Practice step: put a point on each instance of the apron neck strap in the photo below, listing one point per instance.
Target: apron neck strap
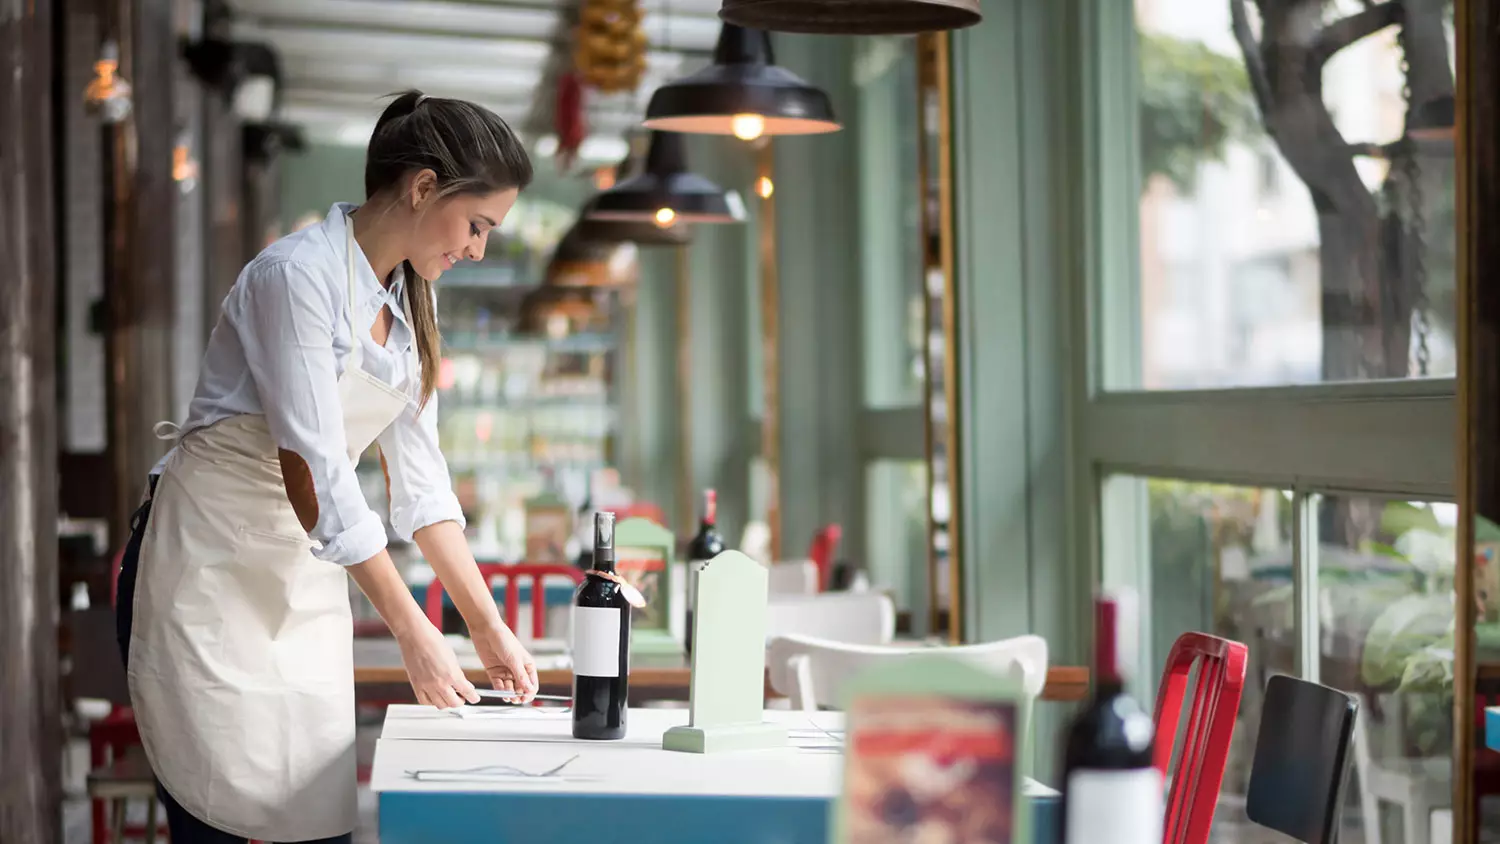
(356, 348)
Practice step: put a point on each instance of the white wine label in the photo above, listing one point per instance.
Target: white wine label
(596, 641)
(1120, 807)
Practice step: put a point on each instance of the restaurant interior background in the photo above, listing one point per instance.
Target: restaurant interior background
(1093, 293)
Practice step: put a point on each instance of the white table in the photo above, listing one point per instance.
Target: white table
(432, 786)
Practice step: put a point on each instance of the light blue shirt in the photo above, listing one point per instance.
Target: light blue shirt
(278, 349)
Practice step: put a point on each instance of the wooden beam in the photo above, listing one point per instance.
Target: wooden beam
(30, 728)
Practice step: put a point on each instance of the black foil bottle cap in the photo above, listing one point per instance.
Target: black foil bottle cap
(604, 538)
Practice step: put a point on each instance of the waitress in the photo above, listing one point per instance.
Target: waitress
(234, 610)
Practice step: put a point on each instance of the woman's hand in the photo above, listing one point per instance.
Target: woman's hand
(509, 665)
(433, 668)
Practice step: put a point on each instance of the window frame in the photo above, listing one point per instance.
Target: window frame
(1380, 439)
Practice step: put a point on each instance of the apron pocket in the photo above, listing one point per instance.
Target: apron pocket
(282, 608)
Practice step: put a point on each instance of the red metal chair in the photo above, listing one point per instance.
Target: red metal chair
(825, 542)
(1194, 793)
(513, 575)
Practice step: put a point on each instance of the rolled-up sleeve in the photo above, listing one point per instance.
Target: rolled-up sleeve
(286, 326)
(421, 489)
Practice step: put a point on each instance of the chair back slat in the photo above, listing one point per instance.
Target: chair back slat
(1301, 763)
(513, 574)
(1194, 791)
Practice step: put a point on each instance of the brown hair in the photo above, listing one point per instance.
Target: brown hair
(471, 150)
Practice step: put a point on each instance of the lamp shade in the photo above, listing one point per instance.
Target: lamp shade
(742, 93)
(580, 262)
(666, 193)
(852, 17)
(559, 311)
(1432, 119)
(641, 232)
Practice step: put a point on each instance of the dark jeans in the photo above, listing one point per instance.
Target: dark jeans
(182, 827)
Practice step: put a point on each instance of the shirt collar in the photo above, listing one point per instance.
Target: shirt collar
(365, 283)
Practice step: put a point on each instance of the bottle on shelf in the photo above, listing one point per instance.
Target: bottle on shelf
(1111, 789)
(601, 642)
(704, 547)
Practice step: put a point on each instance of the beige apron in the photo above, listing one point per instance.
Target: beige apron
(241, 655)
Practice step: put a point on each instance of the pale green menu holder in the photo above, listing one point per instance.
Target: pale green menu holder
(896, 701)
(726, 695)
(644, 551)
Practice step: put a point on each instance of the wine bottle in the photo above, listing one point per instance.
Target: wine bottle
(601, 642)
(1111, 790)
(704, 547)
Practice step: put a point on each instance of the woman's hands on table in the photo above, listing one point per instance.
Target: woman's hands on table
(507, 662)
(429, 660)
(509, 666)
(436, 677)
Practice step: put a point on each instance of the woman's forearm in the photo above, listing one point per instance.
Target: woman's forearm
(382, 584)
(447, 550)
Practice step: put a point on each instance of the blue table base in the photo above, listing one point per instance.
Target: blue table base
(431, 818)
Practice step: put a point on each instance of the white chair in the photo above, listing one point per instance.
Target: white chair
(792, 577)
(1421, 787)
(812, 672)
(855, 618)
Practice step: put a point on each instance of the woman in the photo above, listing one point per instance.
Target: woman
(235, 621)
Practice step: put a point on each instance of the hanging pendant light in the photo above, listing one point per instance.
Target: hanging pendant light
(559, 311)
(1432, 120)
(108, 93)
(667, 193)
(743, 93)
(852, 17)
(643, 232)
(580, 262)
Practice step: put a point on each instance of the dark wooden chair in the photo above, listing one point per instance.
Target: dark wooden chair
(1302, 756)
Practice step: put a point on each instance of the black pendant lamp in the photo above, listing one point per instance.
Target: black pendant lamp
(666, 192)
(580, 262)
(559, 311)
(852, 17)
(640, 232)
(1432, 120)
(743, 93)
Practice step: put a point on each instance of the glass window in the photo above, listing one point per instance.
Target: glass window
(891, 242)
(1289, 236)
(1218, 560)
(1385, 633)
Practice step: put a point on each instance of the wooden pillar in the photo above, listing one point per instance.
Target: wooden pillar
(223, 186)
(30, 730)
(154, 251)
(1478, 186)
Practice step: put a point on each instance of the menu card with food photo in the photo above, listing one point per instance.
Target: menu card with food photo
(932, 756)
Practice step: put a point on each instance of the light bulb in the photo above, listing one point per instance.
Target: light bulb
(747, 127)
(764, 187)
(108, 94)
(665, 217)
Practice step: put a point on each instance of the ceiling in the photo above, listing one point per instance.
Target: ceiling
(341, 58)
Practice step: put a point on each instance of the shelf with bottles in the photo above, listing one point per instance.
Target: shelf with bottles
(489, 342)
(496, 502)
(564, 432)
(470, 379)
